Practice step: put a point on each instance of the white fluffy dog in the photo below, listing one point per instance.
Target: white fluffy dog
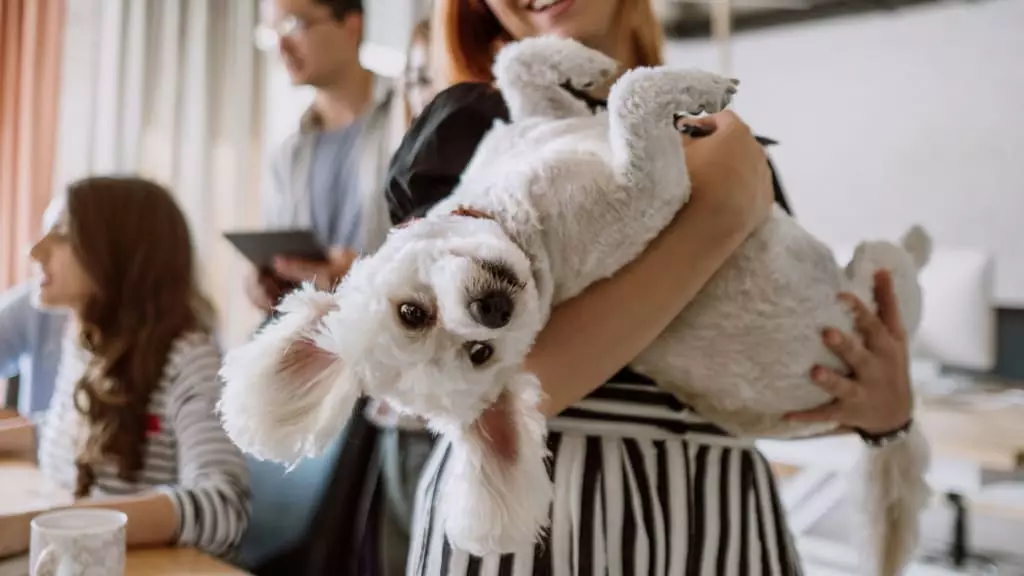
(438, 321)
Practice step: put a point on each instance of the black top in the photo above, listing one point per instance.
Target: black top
(429, 161)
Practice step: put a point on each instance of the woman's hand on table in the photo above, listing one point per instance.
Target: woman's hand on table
(876, 396)
(15, 533)
(325, 275)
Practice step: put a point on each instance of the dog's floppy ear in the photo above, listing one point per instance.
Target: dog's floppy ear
(496, 497)
(285, 395)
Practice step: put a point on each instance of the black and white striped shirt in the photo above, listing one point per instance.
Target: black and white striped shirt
(188, 456)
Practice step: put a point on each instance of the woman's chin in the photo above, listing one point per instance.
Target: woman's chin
(44, 299)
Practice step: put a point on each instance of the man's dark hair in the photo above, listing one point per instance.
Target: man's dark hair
(342, 8)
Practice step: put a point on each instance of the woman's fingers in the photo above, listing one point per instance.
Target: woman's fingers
(695, 127)
(888, 305)
(835, 384)
(867, 323)
(852, 352)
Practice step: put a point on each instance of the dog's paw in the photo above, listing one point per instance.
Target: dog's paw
(668, 93)
(551, 60)
(707, 91)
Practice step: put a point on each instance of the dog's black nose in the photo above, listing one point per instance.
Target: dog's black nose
(493, 310)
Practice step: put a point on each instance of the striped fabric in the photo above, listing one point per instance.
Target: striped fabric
(643, 486)
(188, 455)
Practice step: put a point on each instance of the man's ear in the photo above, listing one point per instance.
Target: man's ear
(285, 396)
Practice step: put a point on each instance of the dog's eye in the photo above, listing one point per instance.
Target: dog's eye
(412, 315)
(479, 352)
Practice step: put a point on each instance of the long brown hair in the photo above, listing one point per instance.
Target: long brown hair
(467, 35)
(134, 244)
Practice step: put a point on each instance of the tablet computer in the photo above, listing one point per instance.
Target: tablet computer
(261, 247)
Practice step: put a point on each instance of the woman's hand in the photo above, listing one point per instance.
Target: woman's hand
(15, 532)
(729, 173)
(876, 398)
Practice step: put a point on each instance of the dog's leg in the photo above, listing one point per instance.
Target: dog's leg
(643, 107)
(531, 74)
(496, 493)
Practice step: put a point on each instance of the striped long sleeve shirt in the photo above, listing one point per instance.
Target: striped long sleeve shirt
(188, 455)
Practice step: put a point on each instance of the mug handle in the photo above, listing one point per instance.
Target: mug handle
(49, 563)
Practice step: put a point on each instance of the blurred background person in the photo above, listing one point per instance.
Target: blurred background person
(132, 424)
(328, 175)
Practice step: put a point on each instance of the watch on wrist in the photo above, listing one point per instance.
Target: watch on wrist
(885, 438)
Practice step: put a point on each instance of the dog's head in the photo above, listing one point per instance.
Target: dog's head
(437, 323)
(439, 318)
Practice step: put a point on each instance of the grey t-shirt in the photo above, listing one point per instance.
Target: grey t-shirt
(334, 187)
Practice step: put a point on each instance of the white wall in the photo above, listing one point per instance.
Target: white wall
(893, 118)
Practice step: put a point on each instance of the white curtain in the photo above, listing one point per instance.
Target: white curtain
(172, 90)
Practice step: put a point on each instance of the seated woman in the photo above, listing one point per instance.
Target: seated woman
(132, 424)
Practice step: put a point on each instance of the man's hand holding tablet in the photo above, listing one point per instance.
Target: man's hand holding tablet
(325, 273)
(285, 258)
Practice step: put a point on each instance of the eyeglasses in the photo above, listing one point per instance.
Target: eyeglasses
(267, 36)
(417, 79)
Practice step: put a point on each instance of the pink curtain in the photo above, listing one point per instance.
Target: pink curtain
(31, 34)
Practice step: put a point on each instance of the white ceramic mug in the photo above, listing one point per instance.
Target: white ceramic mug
(83, 542)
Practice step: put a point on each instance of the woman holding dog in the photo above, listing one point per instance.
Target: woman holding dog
(132, 424)
(637, 491)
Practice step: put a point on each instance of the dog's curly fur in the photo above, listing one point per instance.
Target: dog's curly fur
(438, 321)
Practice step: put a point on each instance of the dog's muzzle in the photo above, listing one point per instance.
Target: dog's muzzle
(492, 310)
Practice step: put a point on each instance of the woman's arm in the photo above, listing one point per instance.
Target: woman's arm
(591, 337)
(152, 521)
(152, 517)
(209, 506)
(211, 500)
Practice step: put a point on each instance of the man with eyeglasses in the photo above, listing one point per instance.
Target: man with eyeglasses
(328, 176)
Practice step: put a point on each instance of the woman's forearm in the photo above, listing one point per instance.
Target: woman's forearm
(591, 337)
(152, 518)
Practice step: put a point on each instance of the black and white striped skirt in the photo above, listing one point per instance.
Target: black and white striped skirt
(643, 486)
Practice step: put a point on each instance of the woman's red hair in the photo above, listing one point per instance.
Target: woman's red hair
(467, 35)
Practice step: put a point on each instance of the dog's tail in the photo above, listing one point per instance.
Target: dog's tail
(893, 492)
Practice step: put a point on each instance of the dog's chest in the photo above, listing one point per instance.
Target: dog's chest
(533, 145)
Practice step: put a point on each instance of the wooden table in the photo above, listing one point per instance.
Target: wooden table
(23, 488)
(978, 427)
